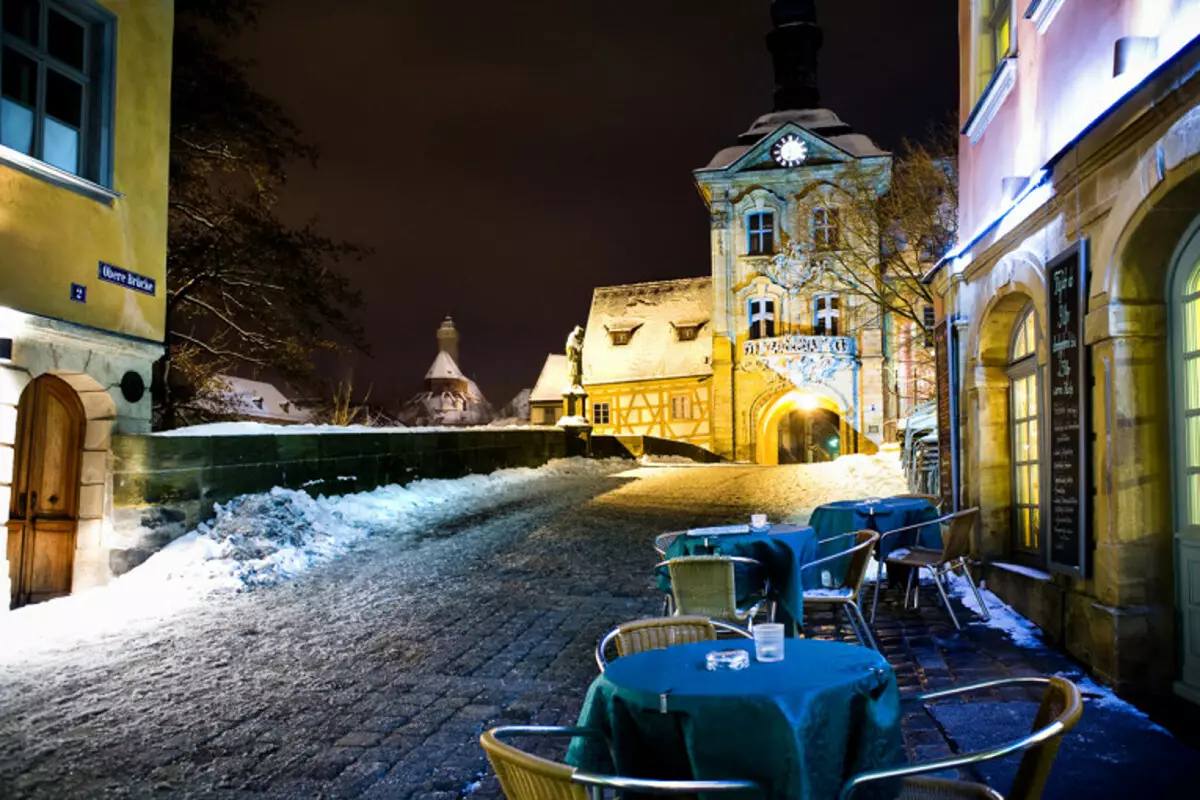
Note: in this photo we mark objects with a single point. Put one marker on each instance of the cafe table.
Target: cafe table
(799, 727)
(781, 549)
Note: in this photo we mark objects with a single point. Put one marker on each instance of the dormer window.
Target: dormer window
(760, 233)
(620, 332)
(827, 228)
(688, 330)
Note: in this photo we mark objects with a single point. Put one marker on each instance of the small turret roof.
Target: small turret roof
(444, 368)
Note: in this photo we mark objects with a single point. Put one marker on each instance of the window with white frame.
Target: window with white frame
(760, 233)
(994, 42)
(762, 317)
(826, 314)
(600, 414)
(826, 228)
(1025, 434)
(681, 406)
(55, 70)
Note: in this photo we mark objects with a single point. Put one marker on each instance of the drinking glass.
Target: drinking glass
(768, 641)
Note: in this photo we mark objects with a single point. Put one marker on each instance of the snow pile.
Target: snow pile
(1002, 617)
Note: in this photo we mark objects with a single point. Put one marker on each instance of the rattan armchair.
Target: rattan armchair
(952, 557)
(846, 597)
(706, 586)
(1060, 710)
(524, 776)
(661, 632)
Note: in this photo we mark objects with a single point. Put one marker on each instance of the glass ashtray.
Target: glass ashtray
(727, 659)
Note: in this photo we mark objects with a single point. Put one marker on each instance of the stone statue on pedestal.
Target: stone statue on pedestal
(575, 358)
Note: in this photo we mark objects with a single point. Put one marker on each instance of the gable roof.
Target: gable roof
(654, 351)
(444, 368)
(813, 123)
(257, 400)
(552, 381)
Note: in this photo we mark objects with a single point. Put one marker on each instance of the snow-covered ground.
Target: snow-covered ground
(261, 539)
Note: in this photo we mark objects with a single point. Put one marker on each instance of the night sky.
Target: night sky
(504, 158)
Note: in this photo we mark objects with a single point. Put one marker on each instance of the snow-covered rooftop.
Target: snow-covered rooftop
(819, 121)
(256, 400)
(552, 381)
(654, 350)
(444, 368)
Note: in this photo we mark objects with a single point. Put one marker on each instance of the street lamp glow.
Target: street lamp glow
(807, 402)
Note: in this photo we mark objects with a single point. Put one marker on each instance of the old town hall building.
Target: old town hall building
(769, 359)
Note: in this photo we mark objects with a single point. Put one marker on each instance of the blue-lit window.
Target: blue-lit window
(55, 75)
(826, 228)
(760, 232)
(826, 314)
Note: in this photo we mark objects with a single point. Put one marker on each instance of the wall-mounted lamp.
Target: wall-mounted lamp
(5, 350)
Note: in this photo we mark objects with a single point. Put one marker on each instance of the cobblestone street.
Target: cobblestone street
(373, 676)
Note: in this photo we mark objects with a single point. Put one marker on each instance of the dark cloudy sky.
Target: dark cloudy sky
(502, 158)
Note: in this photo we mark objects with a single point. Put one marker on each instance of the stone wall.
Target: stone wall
(604, 446)
(164, 486)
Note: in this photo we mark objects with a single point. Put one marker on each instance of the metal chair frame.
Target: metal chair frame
(596, 784)
(661, 543)
(938, 570)
(740, 614)
(1054, 729)
(849, 604)
(716, 625)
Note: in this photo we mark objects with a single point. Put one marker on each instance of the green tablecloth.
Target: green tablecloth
(781, 549)
(799, 727)
(847, 516)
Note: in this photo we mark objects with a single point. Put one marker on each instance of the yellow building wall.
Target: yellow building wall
(643, 408)
(51, 237)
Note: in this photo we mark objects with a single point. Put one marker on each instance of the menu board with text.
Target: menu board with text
(1070, 492)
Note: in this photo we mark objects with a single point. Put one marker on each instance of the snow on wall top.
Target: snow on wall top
(552, 381)
(654, 350)
(444, 368)
(819, 121)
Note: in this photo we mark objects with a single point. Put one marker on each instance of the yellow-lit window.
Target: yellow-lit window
(1025, 433)
(995, 40)
(1189, 399)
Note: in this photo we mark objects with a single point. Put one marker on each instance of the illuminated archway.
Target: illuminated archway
(775, 415)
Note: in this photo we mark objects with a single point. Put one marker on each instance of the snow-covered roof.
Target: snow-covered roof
(552, 381)
(654, 350)
(257, 400)
(444, 368)
(818, 121)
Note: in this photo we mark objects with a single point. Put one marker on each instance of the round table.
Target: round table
(882, 515)
(799, 727)
(781, 548)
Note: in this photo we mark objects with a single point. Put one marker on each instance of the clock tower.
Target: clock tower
(798, 357)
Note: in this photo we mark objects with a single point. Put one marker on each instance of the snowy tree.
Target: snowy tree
(246, 291)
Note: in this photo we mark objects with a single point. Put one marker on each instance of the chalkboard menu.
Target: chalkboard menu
(943, 338)
(1070, 423)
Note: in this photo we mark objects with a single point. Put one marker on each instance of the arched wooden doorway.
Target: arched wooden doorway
(43, 511)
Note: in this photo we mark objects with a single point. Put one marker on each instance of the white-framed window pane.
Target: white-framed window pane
(61, 146)
(16, 126)
(1020, 400)
(1193, 498)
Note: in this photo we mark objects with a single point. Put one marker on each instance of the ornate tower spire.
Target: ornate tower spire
(447, 338)
(794, 42)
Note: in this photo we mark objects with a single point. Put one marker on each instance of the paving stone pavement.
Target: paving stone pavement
(373, 676)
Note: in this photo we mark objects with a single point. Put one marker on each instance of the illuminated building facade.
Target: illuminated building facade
(84, 142)
(772, 359)
(1071, 315)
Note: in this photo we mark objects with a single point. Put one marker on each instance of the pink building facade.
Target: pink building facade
(1073, 299)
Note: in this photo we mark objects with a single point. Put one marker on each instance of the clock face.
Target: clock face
(790, 151)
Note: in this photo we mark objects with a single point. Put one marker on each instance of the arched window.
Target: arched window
(1187, 394)
(1025, 431)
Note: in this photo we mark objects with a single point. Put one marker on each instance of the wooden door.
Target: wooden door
(45, 497)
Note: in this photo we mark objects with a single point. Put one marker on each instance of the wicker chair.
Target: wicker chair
(524, 776)
(660, 632)
(846, 598)
(952, 557)
(706, 586)
(1060, 709)
(661, 543)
